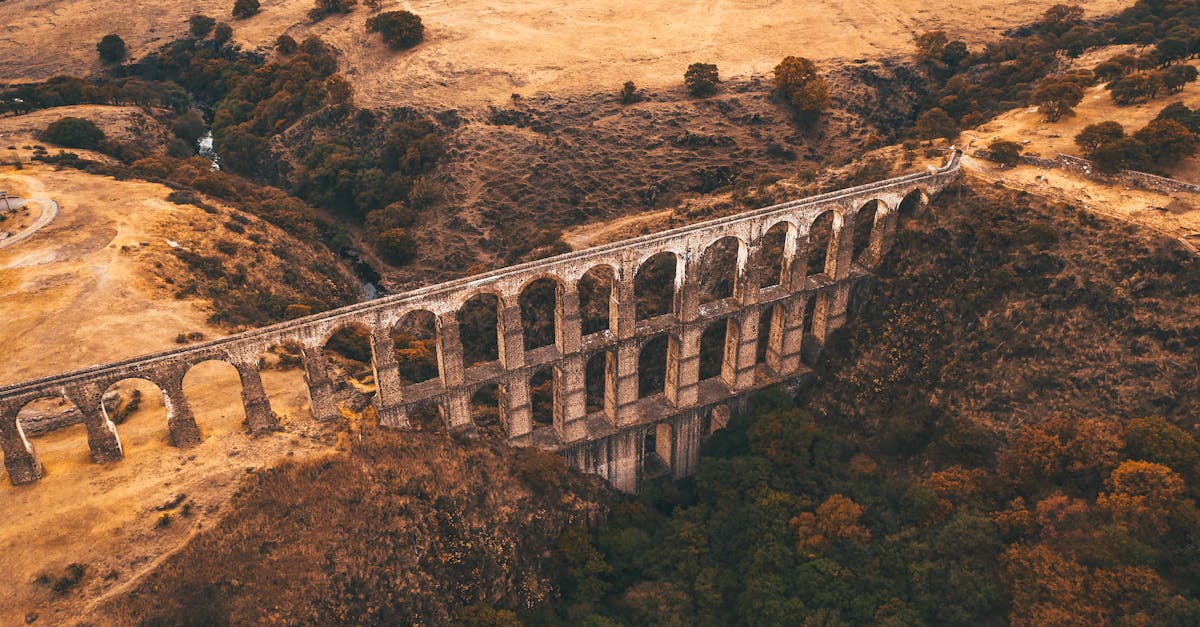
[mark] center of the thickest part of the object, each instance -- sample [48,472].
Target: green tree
[1171,49]
[74,132]
[629,93]
[701,79]
[111,48]
[1154,439]
[322,8]
[1168,141]
[1056,98]
[399,29]
[222,34]
[954,53]
[200,25]
[935,123]
[243,9]
[396,246]
[1177,76]
[802,86]
[1005,152]
[931,44]
[1093,135]
[1126,152]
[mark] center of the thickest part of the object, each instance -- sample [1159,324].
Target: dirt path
[595,234]
[49,212]
[1175,216]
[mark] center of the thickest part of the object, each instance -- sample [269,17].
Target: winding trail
[49,212]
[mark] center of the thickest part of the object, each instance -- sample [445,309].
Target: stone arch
[487,410]
[720,268]
[282,368]
[770,262]
[595,289]
[545,396]
[652,366]
[209,386]
[913,202]
[427,415]
[140,410]
[350,357]
[821,247]
[868,233]
[480,329]
[541,302]
[415,346]
[600,373]
[712,349]
[55,431]
[656,283]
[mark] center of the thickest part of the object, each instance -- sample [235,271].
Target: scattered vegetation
[701,79]
[400,29]
[802,86]
[1171,136]
[111,48]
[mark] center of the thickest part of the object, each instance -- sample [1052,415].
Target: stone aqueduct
[803,309]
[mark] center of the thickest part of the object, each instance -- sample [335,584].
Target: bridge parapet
[801,308]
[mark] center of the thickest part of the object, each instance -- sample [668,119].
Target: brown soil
[481,52]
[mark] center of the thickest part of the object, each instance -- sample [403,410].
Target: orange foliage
[1142,495]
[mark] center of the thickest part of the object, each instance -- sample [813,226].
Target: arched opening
[864,232]
[768,318]
[348,356]
[427,416]
[213,389]
[654,285]
[487,410]
[912,203]
[712,349]
[595,299]
[769,262]
[719,269]
[599,388]
[479,329]
[414,341]
[136,407]
[652,366]
[820,244]
[543,396]
[539,301]
[810,344]
[54,426]
[656,451]
[282,371]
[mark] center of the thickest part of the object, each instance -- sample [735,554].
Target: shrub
[798,81]
[200,25]
[396,246]
[629,93]
[935,123]
[73,133]
[286,45]
[400,29]
[326,7]
[243,9]
[1005,152]
[222,34]
[1056,98]
[111,48]
[1176,76]
[701,79]
[1093,135]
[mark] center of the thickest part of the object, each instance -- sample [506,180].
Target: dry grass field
[480,52]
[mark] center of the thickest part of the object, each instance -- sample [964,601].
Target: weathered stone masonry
[615,442]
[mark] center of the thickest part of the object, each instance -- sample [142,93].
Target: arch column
[841,247]
[621,369]
[829,313]
[515,404]
[20,460]
[795,260]
[682,385]
[102,437]
[449,351]
[511,337]
[786,340]
[320,388]
[568,325]
[389,395]
[741,349]
[458,409]
[570,402]
[260,418]
[181,422]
